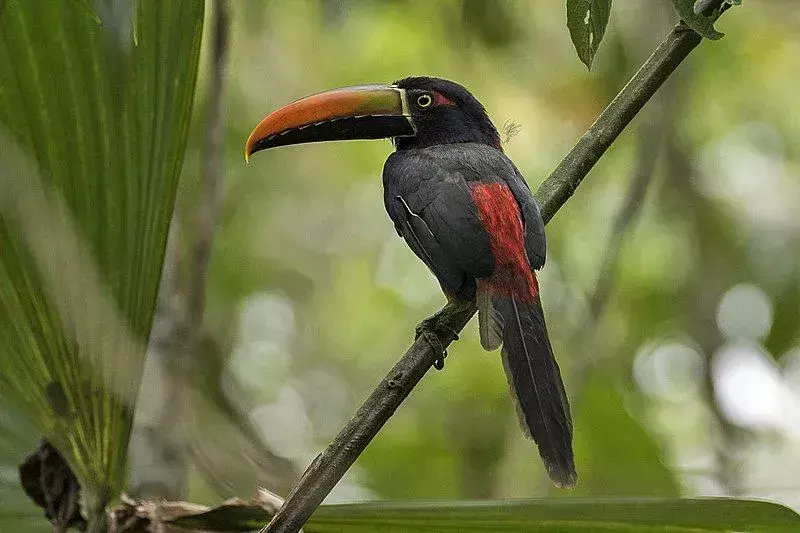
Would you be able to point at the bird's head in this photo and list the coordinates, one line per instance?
(414, 112)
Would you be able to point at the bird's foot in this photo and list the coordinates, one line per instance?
(438, 330)
(428, 329)
(423, 330)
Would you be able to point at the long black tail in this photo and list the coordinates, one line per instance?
(536, 385)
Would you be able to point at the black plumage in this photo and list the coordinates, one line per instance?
(466, 211)
(429, 185)
(536, 386)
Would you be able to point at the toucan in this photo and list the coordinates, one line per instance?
(465, 210)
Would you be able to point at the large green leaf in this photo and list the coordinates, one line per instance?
(95, 100)
(565, 516)
(587, 21)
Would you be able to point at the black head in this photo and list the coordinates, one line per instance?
(444, 112)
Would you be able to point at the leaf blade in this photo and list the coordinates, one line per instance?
(563, 515)
(587, 21)
(93, 128)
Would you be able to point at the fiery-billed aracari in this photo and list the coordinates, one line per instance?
(466, 211)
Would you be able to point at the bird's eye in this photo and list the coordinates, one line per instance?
(424, 100)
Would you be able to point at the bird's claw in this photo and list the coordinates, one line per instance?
(425, 330)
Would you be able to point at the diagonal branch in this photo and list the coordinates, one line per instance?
(329, 467)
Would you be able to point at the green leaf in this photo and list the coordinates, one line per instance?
(587, 21)
(562, 515)
(93, 127)
(704, 25)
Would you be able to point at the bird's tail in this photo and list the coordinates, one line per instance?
(517, 321)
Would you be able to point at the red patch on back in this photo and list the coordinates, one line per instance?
(500, 215)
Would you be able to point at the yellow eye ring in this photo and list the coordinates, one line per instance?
(424, 100)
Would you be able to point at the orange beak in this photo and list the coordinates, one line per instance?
(363, 112)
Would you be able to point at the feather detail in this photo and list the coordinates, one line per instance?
(416, 227)
(490, 325)
(536, 386)
(516, 309)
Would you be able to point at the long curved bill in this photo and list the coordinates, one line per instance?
(362, 112)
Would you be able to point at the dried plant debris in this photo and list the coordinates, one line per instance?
(48, 480)
(135, 516)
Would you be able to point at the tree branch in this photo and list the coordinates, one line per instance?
(329, 467)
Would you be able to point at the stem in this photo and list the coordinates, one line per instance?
(210, 192)
(563, 181)
(164, 471)
(94, 510)
(329, 467)
(712, 277)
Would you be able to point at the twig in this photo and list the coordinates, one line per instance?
(260, 459)
(192, 417)
(329, 467)
(563, 181)
(206, 212)
(158, 467)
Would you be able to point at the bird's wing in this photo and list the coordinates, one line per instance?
(419, 237)
(510, 309)
(429, 201)
(468, 213)
(435, 185)
(478, 163)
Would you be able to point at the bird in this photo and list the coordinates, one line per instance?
(466, 211)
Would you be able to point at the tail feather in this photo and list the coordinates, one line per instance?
(536, 385)
(490, 323)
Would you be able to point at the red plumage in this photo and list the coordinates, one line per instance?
(510, 314)
(500, 215)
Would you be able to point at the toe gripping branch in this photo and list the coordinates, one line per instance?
(439, 329)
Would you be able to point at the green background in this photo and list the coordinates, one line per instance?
(686, 383)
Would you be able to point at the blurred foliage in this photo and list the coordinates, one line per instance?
(18, 437)
(312, 297)
(95, 100)
(618, 456)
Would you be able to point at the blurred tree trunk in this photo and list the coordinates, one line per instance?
(711, 276)
(159, 447)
